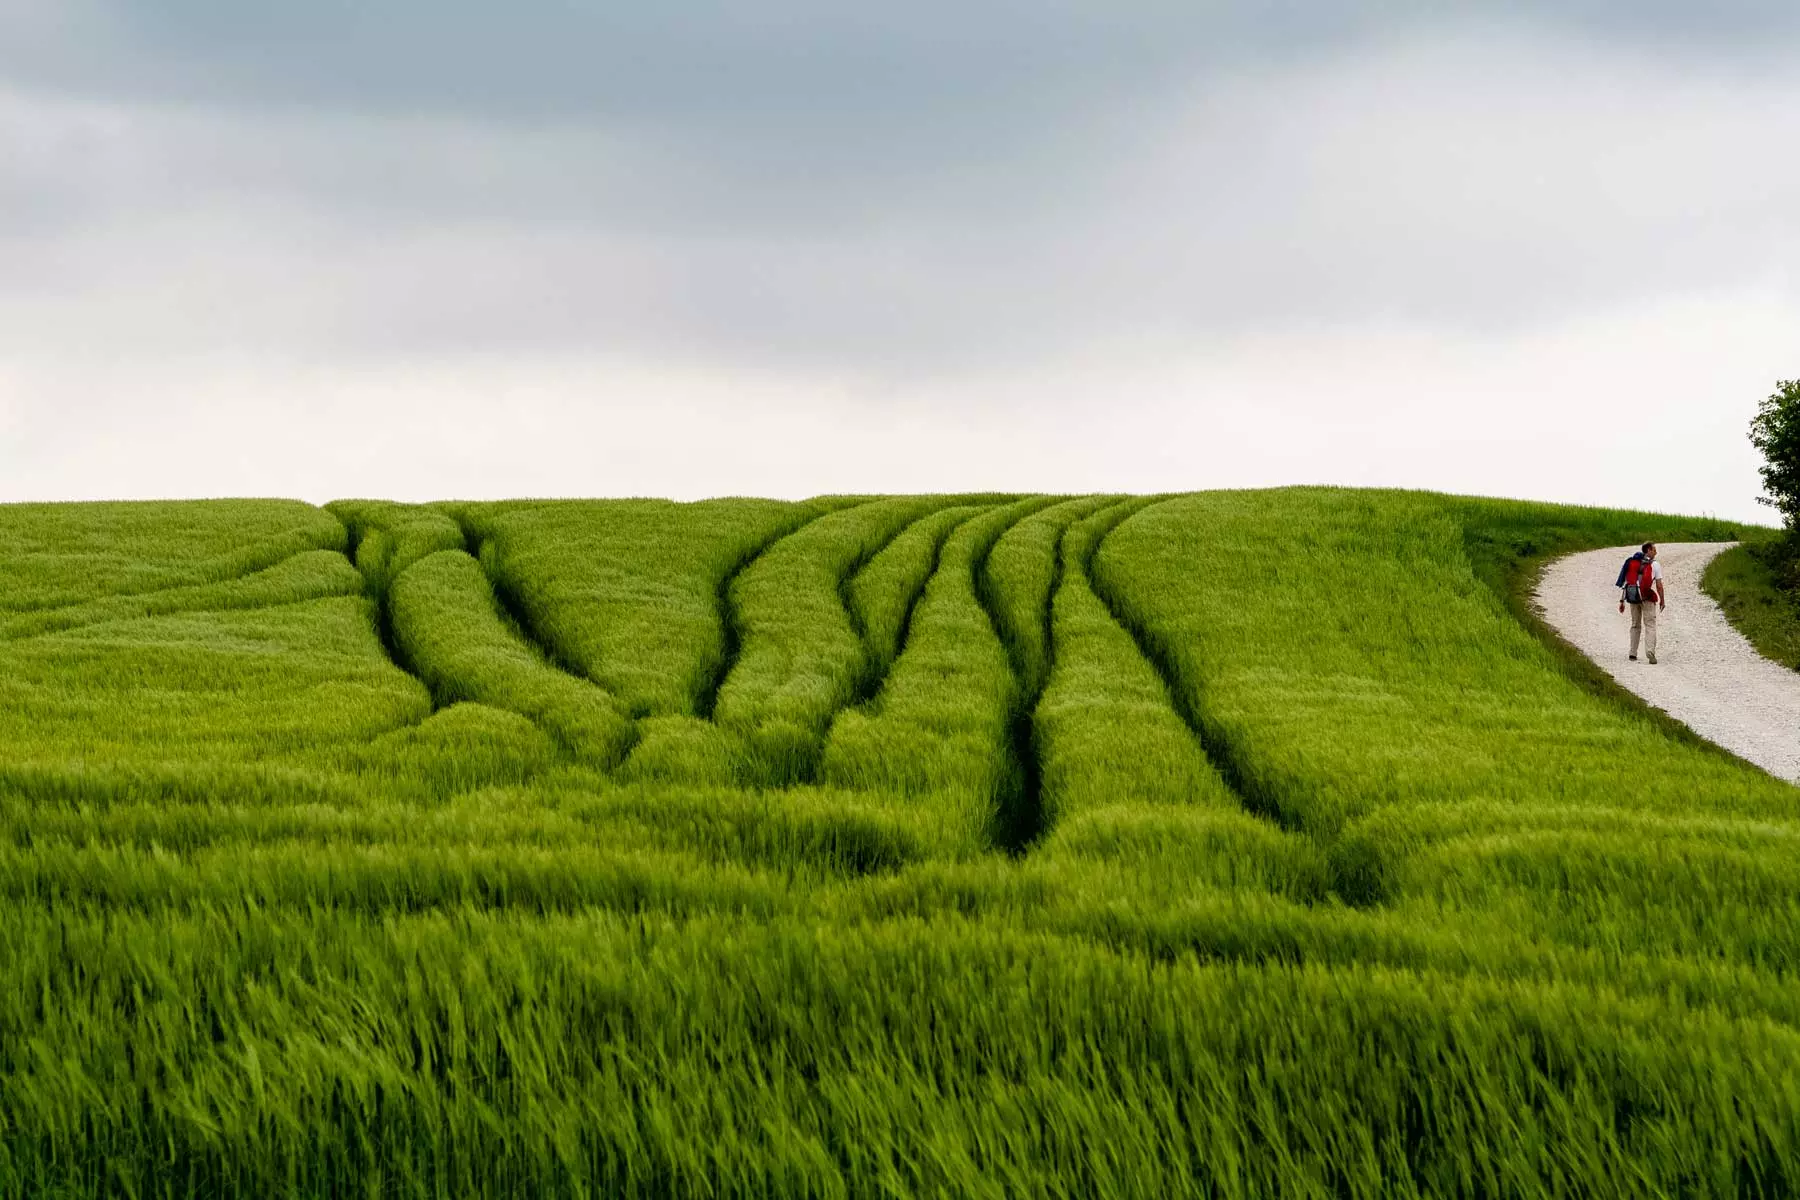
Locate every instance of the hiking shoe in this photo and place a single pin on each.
(1653, 660)
(1634, 658)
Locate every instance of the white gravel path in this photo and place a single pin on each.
(1708, 677)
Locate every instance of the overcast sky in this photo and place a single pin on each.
(434, 249)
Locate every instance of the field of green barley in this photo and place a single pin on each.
(1227, 844)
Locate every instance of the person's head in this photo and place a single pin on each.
(1649, 549)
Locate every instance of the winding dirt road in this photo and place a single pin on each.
(1708, 676)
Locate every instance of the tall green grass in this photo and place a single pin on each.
(280, 684)
(883, 595)
(243, 1049)
(633, 593)
(939, 730)
(57, 554)
(1344, 880)
(308, 575)
(1125, 779)
(1752, 584)
(1361, 684)
(801, 655)
(449, 627)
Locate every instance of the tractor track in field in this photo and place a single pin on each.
(706, 701)
(867, 682)
(513, 616)
(382, 617)
(513, 607)
(517, 617)
(1019, 809)
(853, 569)
(841, 586)
(849, 574)
(1021, 823)
(874, 684)
(870, 683)
(27, 624)
(874, 680)
(289, 545)
(1217, 749)
(1021, 828)
(205, 610)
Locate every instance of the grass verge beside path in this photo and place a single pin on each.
(1406, 722)
(1747, 584)
(1511, 542)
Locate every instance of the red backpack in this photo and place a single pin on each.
(1640, 581)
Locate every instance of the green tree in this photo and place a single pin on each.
(1776, 432)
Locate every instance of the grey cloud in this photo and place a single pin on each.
(781, 114)
(803, 63)
(1478, 177)
(807, 84)
(1468, 179)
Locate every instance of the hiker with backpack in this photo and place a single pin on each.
(1642, 580)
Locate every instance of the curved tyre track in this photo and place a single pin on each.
(518, 616)
(375, 587)
(220, 569)
(1022, 823)
(1708, 676)
(1018, 809)
(829, 556)
(1216, 747)
(869, 686)
(516, 623)
(848, 576)
(706, 701)
(181, 601)
(870, 678)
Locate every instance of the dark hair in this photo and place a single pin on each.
(1647, 547)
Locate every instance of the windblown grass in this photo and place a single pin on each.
(883, 595)
(55, 554)
(633, 593)
(939, 730)
(1749, 583)
(1125, 779)
(449, 627)
(801, 657)
(1359, 684)
(1231, 844)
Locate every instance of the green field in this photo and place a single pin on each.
(1752, 584)
(1226, 844)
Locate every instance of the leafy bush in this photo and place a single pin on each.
(1776, 433)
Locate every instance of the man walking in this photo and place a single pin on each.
(1642, 579)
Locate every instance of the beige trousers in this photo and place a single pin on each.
(1643, 626)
